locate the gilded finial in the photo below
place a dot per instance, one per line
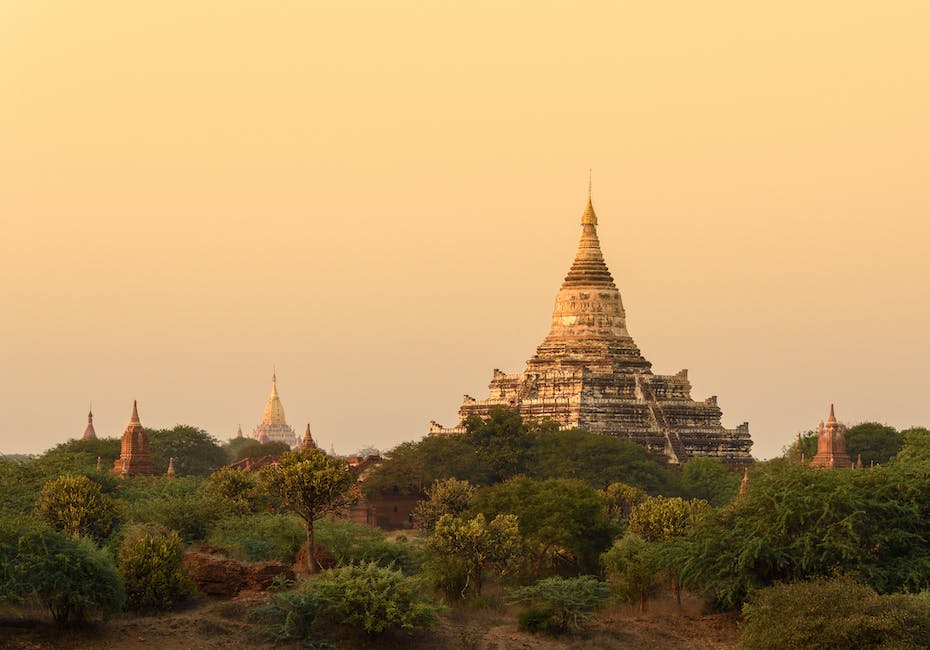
(589, 218)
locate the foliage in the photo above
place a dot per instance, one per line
(259, 537)
(241, 448)
(78, 457)
(631, 567)
(833, 613)
(311, 484)
(413, 466)
(795, 523)
(501, 440)
(916, 447)
(76, 505)
(568, 603)
(373, 598)
(180, 505)
(710, 480)
(873, 441)
(476, 544)
(352, 543)
(358, 597)
(446, 497)
(595, 458)
(149, 562)
(620, 499)
(661, 518)
(564, 521)
(237, 486)
(21, 484)
(70, 576)
(195, 452)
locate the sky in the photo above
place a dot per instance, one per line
(380, 199)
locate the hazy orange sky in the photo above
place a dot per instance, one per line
(382, 198)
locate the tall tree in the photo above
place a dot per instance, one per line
(310, 484)
(195, 452)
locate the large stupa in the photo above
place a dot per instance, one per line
(273, 427)
(589, 374)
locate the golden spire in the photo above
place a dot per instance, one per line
(274, 410)
(589, 218)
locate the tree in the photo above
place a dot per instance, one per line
(195, 452)
(796, 523)
(78, 457)
(595, 458)
(476, 543)
(412, 467)
(620, 499)
(238, 486)
(447, 497)
(631, 567)
(916, 446)
(873, 441)
(559, 604)
(709, 479)
(310, 484)
(562, 520)
(501, 440)
(241, 448)
(75, 505)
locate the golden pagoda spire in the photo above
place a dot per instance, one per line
(274, 410)
(589, 218)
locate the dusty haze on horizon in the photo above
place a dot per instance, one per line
(382, 199)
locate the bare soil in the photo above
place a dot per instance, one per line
(209, 623)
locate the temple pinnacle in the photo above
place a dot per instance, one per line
(589, 218)
(135, 413)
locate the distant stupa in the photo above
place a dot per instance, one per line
(274, 428)
(89, 432)
(831, 444)
(589, 374)
(307, 444)
(134, 459)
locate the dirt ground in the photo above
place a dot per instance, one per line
(210, 623)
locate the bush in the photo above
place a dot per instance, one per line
(256, 538)
(833, 613)
(150, 564)
(374, 599)
(352, 543)
(70, 576)
(178, 505)
(631, 567)
(560, 604)
(237, 486)
(359, 597)
(76, 505)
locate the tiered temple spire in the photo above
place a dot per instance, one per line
(307, 444)
(274, 427)
(831, 444)
(134, 456)
(89, 432)
(588, 373)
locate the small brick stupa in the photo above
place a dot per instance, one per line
(89, 432)
(307, 444)
(134, 459)
(831, 444)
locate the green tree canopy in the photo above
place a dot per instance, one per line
(709, 479)
(447, 497)
(564, 521)
(310, 484)
(477, 543)
(873, 441)
(195, 452)
(76, 505)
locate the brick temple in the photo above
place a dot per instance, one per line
(134, 458)
(589, 374)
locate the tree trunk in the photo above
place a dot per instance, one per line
(676, 589)
(312, 565)
(642, 602)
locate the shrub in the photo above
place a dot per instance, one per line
(150, 564)
(374, 599)
(189, 512)
(445, 497)
(76, 505)
(833, 613)
(631, 568)
(259, 537)
(360, 597)
(352, 543)
(70, 576)
(560, 604)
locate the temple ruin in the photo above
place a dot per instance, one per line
(589, 374)
(831, 445)
(134, 458)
